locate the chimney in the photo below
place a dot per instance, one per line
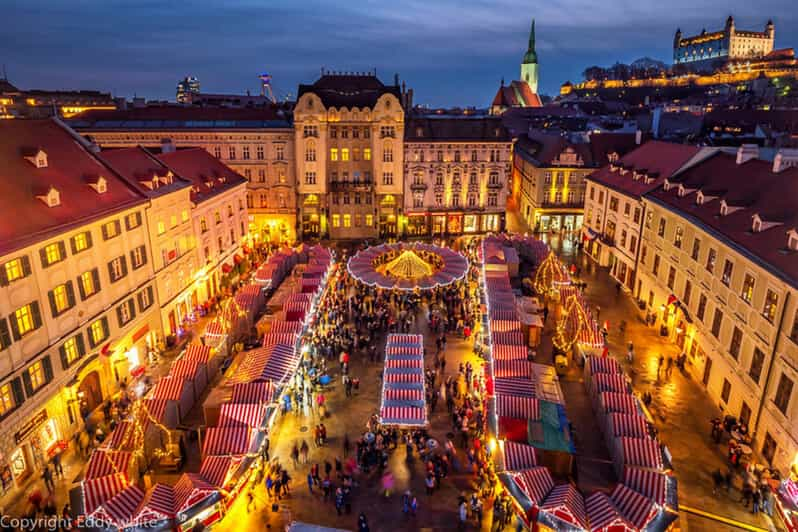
(167, 146)
(746, 152)
(638, 137)
(785, 158)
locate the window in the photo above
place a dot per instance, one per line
(769, 448)
(636, 216)
(736, 341)
(14, 269)
(347, 220)
(217, 217)
(623, 238)
(457, 156)
(757, 363)
(161, 227)
(7, 399)
(677, 237)
(333, 154)
(655, 267)
(627, 209)
(138, 257)
(783, 393)
(717, 321)
(36, 376)
(245, 153)
(438, 200)
(455, 200)
(310, 178)
(279, 152)
(72, 350)
(345, 154)
(52, 254)
(336, 220)
(671, 277)
(661, 228)
(126, 312)
(592, 193)
(26, 319)
(728, 270)
(369, 220)
(80, 242)
(259, 152)
(62, 298)
(231, 152)
(702, 307)
(726, 391)
(387, 131)
(111, 230)
(310, 153)
(633, 243)
(5, 334)
(98, 331)
(217, 152)
(387, 178)
(310, 131)
(387, 153)
(696, 249)
(133, 220)
(748, 288)
(643, 253)
(117, 268)
(145, 298)
(688, 292)
(771, 302)
(547, 178)
(614, 204)
(89, 283)
(649, 219)
(493, 199)
(711, 257)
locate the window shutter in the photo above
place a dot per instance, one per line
(105, 232)
(73, 246)
(80, 289)
(143, 255)
(119, 316)
(132, 307)
(3, 276)
(70, 292)
(47, 364)
(88, 239)
(51, 297)
(43, 257)
(123, 260)
(81, 344)
(62, 249)
(140, 297)
(118, 226)
(37, 315)
(26, 382)
(62, 353)
(16, 389)
(12, 320)
(150, 294)
(5, 334)
(111, 271)
(95, 273)
(106, 332)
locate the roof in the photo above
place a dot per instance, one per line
(7, 86)
(516, 94)
(658, 160)
(349, 90)
(71, 167)
(181, 117)
(209, 176)
(542, 149)
(137, 165)
(464, 128)
(754, 189)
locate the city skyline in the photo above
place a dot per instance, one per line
(441, 59)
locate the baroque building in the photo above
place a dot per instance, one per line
(348, 130)
(710, 50)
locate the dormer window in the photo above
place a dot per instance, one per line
(38, 158)
(724, 208)
(699, 198)
(666, 186)
(612, 157)
(419, 132)
(99, 184)
(52, 198)
(756, 225)
(792, 239)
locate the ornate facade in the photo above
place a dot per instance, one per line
(716, 48)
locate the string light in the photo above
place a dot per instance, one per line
(551, 274)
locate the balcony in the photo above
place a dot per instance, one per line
(495, 185)
(419, 186)
(561, 205)
(361, 185)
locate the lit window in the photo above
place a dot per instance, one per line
(347, 220)
(138, 257)
(184, 215)
(369, 220)
(366, 154)
(173, 221)
(747, 292)
(14, 270)
(161, 227)
(53, 253)
(36, 375)
(62, 298)
(333, 154)
(132, 221)
(771, 302)
(98, 331)
(336, 220)
(110, 230)
(117, 268)
(81, 242)
(71, 350)
(26, 319)
(6, 399)
(345, 154)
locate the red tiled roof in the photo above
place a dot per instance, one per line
(516, 94)
(70, 166)
(137, 165)
(660, 159)
(754, 188)
(201, 168)
(546, 148)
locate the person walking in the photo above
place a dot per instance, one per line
(362, 523)
(303, 451)
(295, 455)
(339, 500)
(661, 360)
(310, 482)
(630, 351)
(47, 476)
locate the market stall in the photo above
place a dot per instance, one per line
(175, 389)
(564, 509)
(229, 440)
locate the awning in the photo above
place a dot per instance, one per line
(618, 402)
(536, 483)
(252, 393)
(636, 508)
(121, 508)
(169, 388)
(403, 415)
(566, 503)
(216, 469)
(104, 462)
(190, 490)
(403, 394)
(518, 456)
(626, 425)
(99, 490)
(158, 505)
(226, 440)
(602, 365)
(238, 415)
(405, 363)
(512, 368)
(507, 338)
(639, 452)
(517, 387)
(517, 407)
(510, 352)
(603, 515)
(648, 483)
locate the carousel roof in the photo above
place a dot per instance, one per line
(408, 265)
(402, 267)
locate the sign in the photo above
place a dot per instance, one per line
(141, 332)
(32, 424)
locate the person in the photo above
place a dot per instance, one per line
(303, 451)
(59, 469)
(430, 483)
(717, 481)
(250, 499)
(669, 369)
(295, 455)
(660, 362)
(756, 498)
(463, 515)
(362, 523)
(630, 353)
(339, 500)
(310, 482)
(47, 476)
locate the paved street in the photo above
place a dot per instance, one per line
(680, 407)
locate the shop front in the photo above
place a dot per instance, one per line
(471, 223)
(36, 442)
(438, 224)
(311, 216)
(417, 224)
(492, 222)
(454, 223)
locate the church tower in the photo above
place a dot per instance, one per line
(529, 67)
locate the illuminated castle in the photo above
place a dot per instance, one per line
(710, 50)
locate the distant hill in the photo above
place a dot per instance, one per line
(645, 63)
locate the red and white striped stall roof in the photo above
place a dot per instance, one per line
(104, 462)
(414, 339)
(512, 368)
(518, 387)
(241, 415)
(282, 362)
(404, 363)
(510, 352)
(98, 490)
(623, 403)
(200, 352)
(640, 452)
(503, 314)
(169, 388)
(215, 469)
(304, 298)
(191, 489)
(404, 350)
(404, 394)
(214, 328)
(185, 367)
(403, 377)
(226, 440)
(251, 368)
(648, 483)
(507, 338)
(252, 393)
(279, 338)
(156, 407)
(536, 483)
(567, 504)
(517, 407)
(403, 415)
(603, 365)
(636, 508)
(121, 508)
(518, 456)
(610, 382)
(626, 425)
(505, 326)
(604, 516)
(158, 505)
(123, 436)
(282, 326)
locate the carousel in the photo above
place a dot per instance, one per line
(409, 267)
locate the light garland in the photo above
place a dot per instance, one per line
(551, 274)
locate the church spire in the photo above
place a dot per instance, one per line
(531, 56)
(529, 66)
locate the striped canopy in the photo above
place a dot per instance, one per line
(280, 326)
(618, 402)
(536, 483)
(242, 415)
(404, 363)
(156, 408)
(636, 508)
(279, 338)
(566, 503)
(648, 483)
(403, 377)
(518, 456)
(215, 469)
(514, 386)
(104, 462)
(122, 507)
(158, 505)
(190, 490)
(405, 339)
(252, 393)
(403, 415)
(510, 352)
(214, 328)
(610, 382)
(403, 394)
(200, 352)
(507, 338)
(517, 407)
(626, 425)
(640, 452)
(169, 388)
(604, 516)
(226, 440)
(603, 365)
(512, 368)
(511, 325)
(98, 490)
(185, 368)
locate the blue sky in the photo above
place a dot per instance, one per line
(451, 52)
